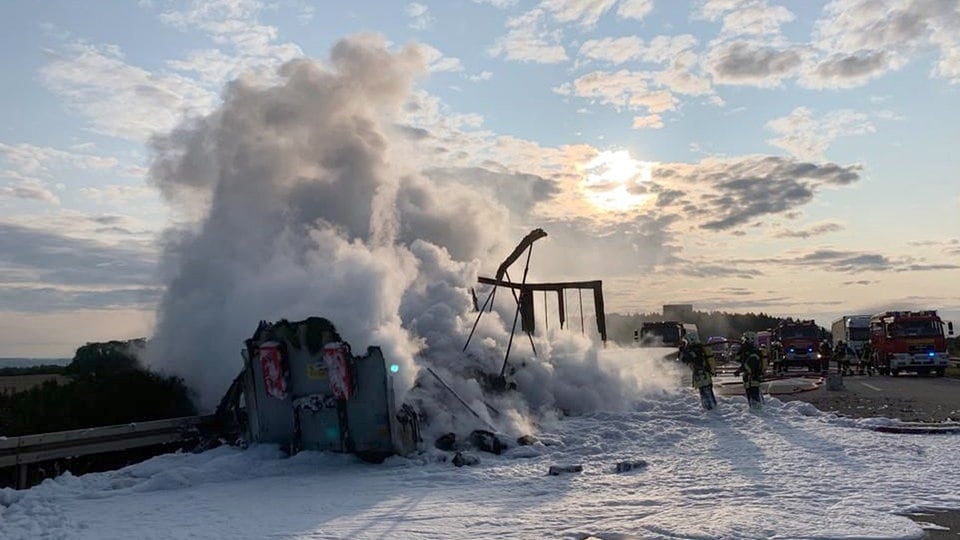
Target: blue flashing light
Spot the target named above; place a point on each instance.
(394, 368)
(809, 349)
(931, 354)
(792, 349)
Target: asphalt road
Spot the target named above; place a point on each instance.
(907, 397)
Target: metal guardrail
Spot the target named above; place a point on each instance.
(27, 449)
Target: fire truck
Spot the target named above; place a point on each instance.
(909, 341)
(800, 341)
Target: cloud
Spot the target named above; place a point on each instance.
(527, 40)
(482, 76)
(520, 192)
(623, 89)
(680, 71)
(814, 230)
(32, 160)
(242, 44)
(126, 101)
(117, 98)
(753, 63)
(833, 260)
(32, 168)
(588, 12)
(943, 247)
(27, 299)
(32, 255)
(727, 193)
(634, 9)
(650, 121)
(30, 189)
(745, 17)
(927, 267)
(666, 49)
(706, 269)
(846, 261)
(420, 17)
(583, 12)
(858, 40)
(437, 62)
(807, 137)
(118, 194)
(235, 24)
(501, 4)
(847, 70)
(614, 50)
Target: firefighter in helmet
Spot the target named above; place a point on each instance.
(826, 353)
(866, 358)
(700, 361)
(776, 357)
(840, 356)
(751, 368)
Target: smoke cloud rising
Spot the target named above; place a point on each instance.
(300, 199)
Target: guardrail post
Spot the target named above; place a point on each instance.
(21, 481)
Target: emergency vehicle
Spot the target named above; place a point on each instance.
(909, 341)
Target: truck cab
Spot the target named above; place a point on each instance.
(661, 334)
(909, 341)
(799, 342)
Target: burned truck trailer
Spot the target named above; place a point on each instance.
(304, 389)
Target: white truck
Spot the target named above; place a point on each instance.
(854, 330)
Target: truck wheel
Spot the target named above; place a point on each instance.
(894, 372)
(941, 371)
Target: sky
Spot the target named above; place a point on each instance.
(796, 158)
(788, 471)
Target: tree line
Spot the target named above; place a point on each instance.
(107, 385)
(620, 327)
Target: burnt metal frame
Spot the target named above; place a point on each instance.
(528, 288)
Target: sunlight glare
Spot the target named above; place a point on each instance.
(608, 178)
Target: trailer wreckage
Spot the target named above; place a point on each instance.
(302, 387)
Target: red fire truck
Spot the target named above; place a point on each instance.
(800, 343)
(909, 341)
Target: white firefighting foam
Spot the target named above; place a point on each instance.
(300, 200)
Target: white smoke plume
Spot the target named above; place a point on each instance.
(301, 201)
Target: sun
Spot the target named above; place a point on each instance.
(609, 178)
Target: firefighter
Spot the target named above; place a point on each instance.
(826, 353)
(776, 355)
(840, 356)
(700, 361)
(682, 349)
(866, 359)
(751, 368)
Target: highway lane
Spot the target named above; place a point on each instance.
(907, 397)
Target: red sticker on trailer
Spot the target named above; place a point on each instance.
(274, 372)
(335, 357)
